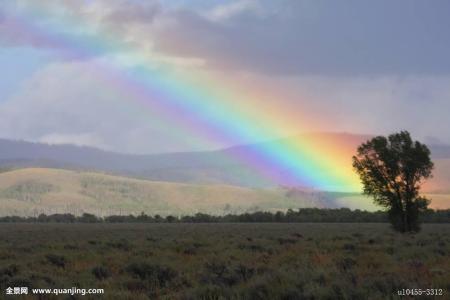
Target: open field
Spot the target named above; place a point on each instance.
(225, 261)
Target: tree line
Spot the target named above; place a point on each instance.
(302, 215)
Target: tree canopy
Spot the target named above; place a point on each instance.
(392, 170)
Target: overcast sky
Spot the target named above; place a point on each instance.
(351, 65)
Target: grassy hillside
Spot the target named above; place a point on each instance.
(207, 167)
(33, 191)
(39, 190)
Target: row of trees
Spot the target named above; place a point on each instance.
(303, 215)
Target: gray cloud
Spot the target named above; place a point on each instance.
(71, 103)
(383, 105)
(289, 37)
(320, 37)
(113, 19)
(362, 66)
(135, 12)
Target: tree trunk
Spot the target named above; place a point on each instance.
(405, 220)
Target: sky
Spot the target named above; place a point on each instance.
(370, 67)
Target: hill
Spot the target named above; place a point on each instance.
(39, 190)
(209, 167)
(31, 191)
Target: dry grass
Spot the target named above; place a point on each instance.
(28, 192)
(101, 194)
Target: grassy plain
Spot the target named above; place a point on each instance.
(225, 261)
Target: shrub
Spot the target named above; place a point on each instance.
(18, 281)
(349, 247)
(387, 284)
(390, 250)
(71, 247)
(135, 286)
(162, 275)
(57, 260)
(190, 251)
(123, 244)
(321, 280)
(216, 268)
(252, 247)
(297, 235)
(219, 273)
(10, 270)
(209, 292)
(283, 241)
(101, 272)
(262, 288)
(346, 264)
(244, 272)
(291, 293)
(42, 280)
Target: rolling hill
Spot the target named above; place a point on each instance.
(32, 191)
(209, 167)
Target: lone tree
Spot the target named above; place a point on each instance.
(392, 170)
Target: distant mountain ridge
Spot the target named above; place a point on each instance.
(188, 167)
(207, 167)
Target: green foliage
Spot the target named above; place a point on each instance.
(88, 218)
(302, 215)
(392, 170)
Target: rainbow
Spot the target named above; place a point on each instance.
(211, 107)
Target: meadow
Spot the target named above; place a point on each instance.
(225, 261)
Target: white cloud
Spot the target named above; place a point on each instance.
(81, 139)
(381, 105)
(223, 12)
(294, 37)
(78, 103)
(337, 75)
(48, 24)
